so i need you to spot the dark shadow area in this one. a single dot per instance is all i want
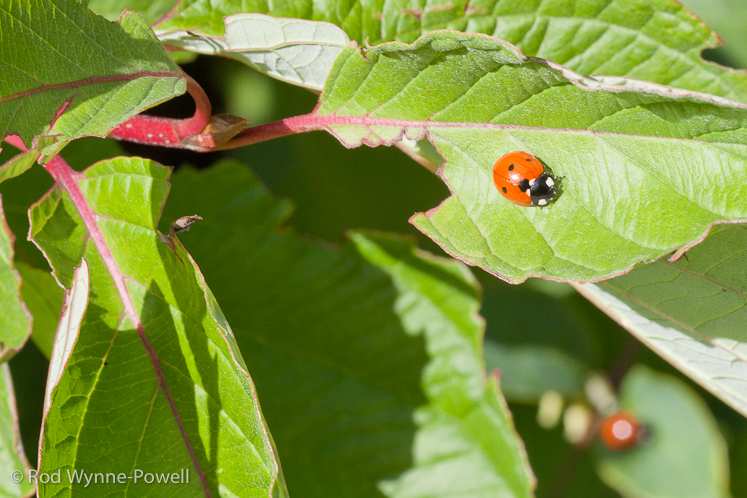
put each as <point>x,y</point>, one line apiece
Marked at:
<point>342,420</point>
<point>172,157</point>
<point>29,370</point>
<point>721,55</point>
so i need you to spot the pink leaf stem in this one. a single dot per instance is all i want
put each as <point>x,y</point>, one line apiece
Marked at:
<point>416,129</point>
<point>167,132</point>
<point>276,129</point>
<point>67,178</point>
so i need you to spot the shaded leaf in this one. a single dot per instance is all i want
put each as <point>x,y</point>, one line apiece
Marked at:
<point>86,75</point>
<point>691,311</point>
<point>150,10</point>
<point>642,165</point>
<point>652,40</point>
<point>686,456</point>
<point>43,297</point>
<point>23,161</point>
<point>15,319</point>
<point>182,57</point>
<point>160,378</point>
<point>292,50</point>
<point>367,360</point>
<point>12,455</point>
<point>527,372</point>
<point>18,165</point>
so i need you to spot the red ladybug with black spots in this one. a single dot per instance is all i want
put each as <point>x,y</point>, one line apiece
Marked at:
<point>521,178</point>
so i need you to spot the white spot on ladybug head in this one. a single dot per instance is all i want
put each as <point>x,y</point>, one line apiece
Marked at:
<point>550,182</point>
<point>542,202</point>
<point>531,182</point>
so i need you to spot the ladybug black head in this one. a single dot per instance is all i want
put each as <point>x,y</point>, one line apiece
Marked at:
<point>543,190</point>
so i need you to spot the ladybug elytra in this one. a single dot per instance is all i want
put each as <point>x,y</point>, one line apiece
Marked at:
<point>521,178</point>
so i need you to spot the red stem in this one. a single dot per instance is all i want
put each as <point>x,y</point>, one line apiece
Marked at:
<point>67,178</point>
<point>203,110</point>
<point>167,132</point>
<point>276,129</point>
<point>314,121</point>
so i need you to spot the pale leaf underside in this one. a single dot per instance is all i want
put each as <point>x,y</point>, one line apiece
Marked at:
<point>291,50</point>
<point>691,312</point>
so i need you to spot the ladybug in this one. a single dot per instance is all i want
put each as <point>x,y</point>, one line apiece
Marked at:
<point>621,431</point>
<point>521,178</point>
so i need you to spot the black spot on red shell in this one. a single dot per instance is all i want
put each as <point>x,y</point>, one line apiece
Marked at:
<point>504,190</point>
<point>529,158</point>
<point>511,168</point>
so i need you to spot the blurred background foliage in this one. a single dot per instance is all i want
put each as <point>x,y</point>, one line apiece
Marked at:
<point>543,335</point>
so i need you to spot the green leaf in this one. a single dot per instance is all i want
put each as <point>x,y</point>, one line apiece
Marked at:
<point>22,162</point>
<point>642,165</point>
<point>686,456</point>
<point>151,368</point>
<point>527,372</point>
<point>367,360</point>
<point>181,57</point>
<point>14,463</point>
<point>652,40</point>
<point>21,192</point>
<point>15,320</point>
<point>18,165</point>
<point>150,10</point>
<point>690,311</point>
<point>43,297</point>
<point>291,50</point>
<point>86,75</point>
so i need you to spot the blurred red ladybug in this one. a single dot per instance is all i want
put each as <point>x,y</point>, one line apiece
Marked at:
<point>521,178</point>
<point>621,431</point>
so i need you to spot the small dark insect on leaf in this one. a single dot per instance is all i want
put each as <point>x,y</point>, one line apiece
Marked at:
<point>179,226</point>
<point>182,224</point>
